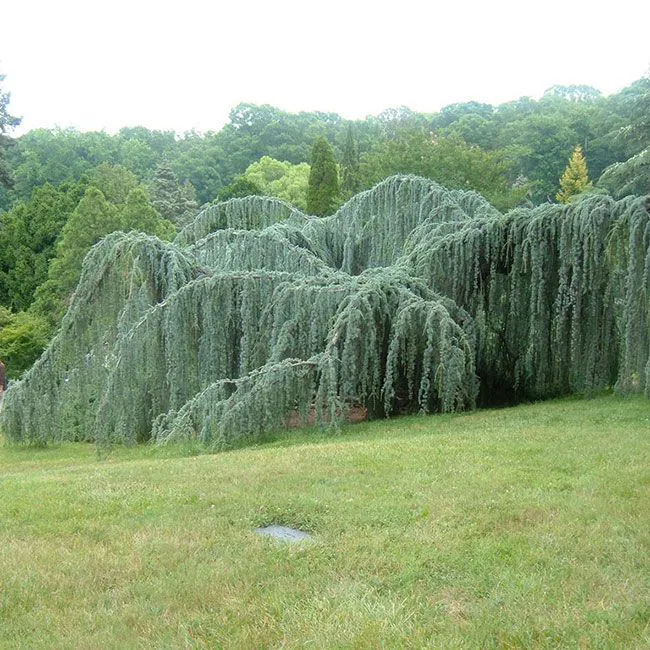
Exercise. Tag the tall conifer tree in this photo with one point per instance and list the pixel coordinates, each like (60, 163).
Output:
(173, 201)
(350, 172)
(323, 189)
(575, 178)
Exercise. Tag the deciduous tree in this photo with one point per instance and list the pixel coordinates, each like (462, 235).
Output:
(7, 122)
(446, 160)
(23, 336)
(280, 179)
(239, 188)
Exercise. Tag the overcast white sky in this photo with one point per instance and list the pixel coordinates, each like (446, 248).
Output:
(183, 65)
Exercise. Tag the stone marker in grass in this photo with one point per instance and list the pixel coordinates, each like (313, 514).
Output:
(284, 533)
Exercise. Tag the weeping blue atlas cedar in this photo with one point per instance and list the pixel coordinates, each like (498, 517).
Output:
(410, 298)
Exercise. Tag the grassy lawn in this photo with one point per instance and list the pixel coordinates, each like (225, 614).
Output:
(526, 527)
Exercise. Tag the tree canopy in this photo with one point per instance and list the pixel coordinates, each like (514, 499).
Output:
(7, 122)
(28, 235)
(534, 137)
(92, 219)
(447, 160)
(280, 179)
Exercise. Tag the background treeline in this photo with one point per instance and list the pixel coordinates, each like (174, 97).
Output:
(533, 139)
(63, 190)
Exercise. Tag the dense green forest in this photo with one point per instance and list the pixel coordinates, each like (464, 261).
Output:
(62, 191)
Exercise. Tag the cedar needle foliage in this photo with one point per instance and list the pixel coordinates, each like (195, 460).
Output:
(410, 298)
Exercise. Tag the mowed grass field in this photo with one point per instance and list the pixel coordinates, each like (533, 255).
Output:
(526, 527)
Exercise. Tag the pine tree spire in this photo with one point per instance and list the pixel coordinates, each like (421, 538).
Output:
(350, 173)
(575, 179)
(323, 188)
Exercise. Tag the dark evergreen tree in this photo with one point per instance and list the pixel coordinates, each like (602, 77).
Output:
(173, 201)
(28, 234)
(323, 189)
(350, 171)
(139, 214)
(93, 218)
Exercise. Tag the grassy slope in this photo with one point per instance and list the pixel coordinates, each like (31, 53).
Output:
(519, 528)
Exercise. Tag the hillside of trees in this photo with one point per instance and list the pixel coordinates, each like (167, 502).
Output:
(62, 191)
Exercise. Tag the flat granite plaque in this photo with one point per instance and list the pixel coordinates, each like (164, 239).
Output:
(284, 533)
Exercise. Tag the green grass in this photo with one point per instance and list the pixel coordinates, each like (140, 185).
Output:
(526, 527)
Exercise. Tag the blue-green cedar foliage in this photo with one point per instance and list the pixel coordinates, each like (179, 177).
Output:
(410, 298)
